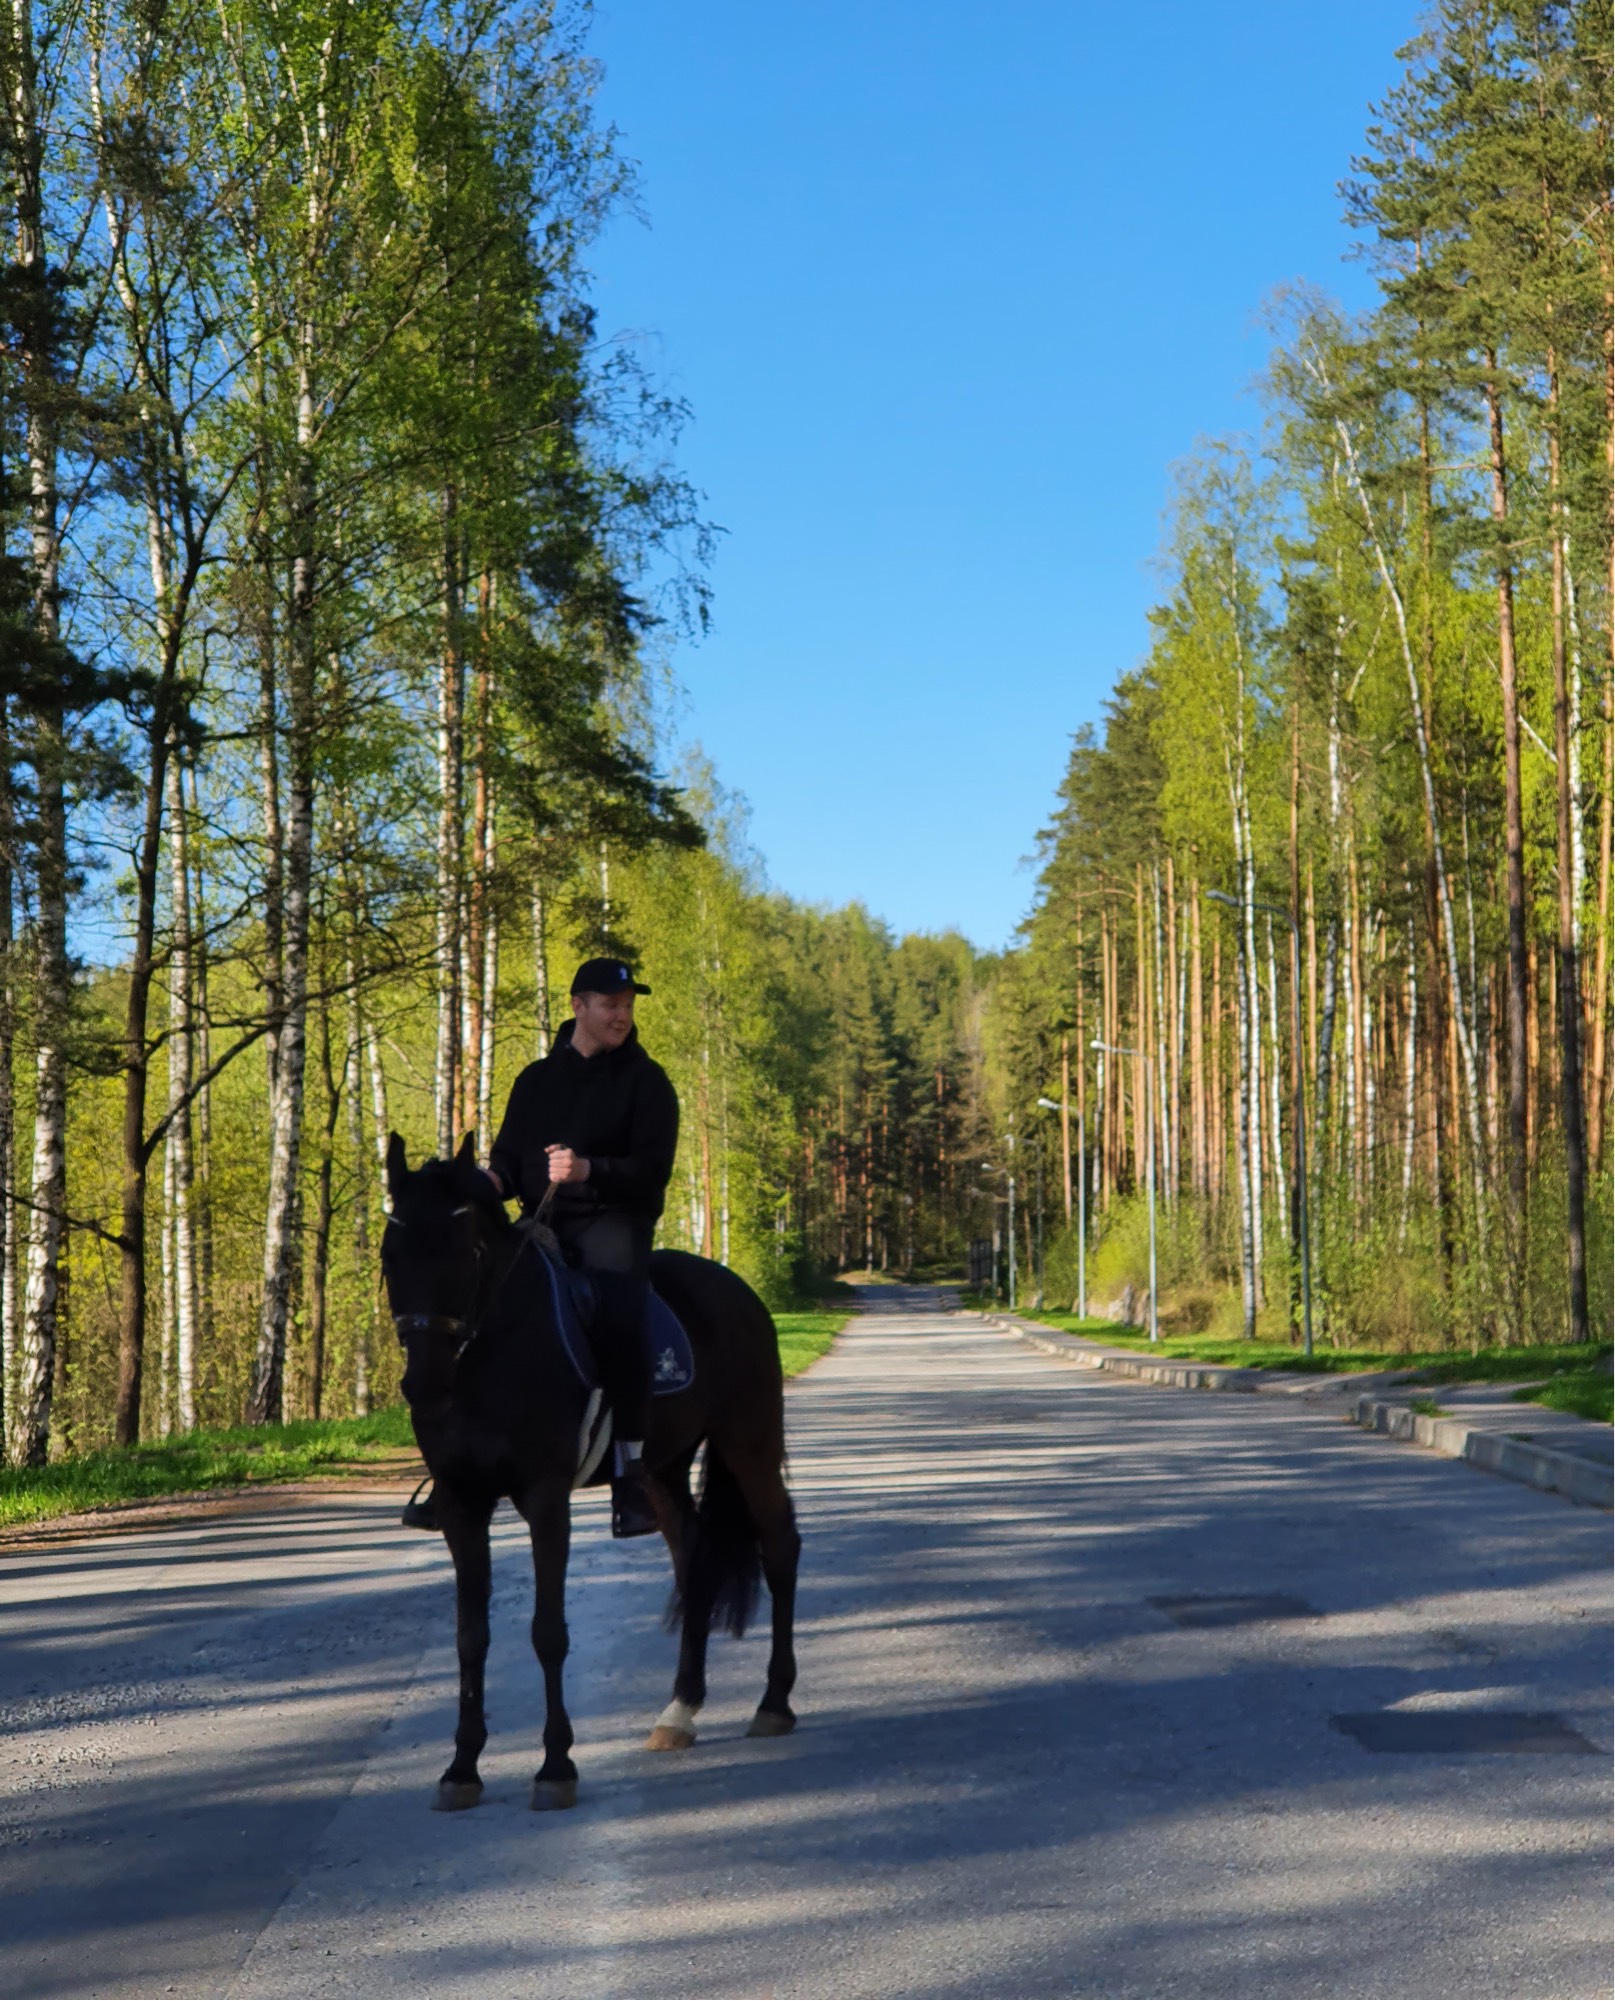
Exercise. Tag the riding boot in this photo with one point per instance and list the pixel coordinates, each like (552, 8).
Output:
(421, 1514)
(632, 1511)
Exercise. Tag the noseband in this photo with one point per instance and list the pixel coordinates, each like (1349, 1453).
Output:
(405, 1324)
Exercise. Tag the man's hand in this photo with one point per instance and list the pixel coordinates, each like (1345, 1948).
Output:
(565, 1165)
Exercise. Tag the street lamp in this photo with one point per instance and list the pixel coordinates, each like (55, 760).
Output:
(1064, 1108)
(1303, 1223)
(1010, 1136)
(1116, 1049)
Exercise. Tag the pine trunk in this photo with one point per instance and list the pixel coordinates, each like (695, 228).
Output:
(1519, 1068)
(1569, 896)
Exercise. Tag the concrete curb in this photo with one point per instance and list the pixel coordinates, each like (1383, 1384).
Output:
(1539, 1466)
(1521, 1459)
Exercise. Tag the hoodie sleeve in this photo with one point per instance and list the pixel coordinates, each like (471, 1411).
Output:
(639, 1177)
(505, 1156)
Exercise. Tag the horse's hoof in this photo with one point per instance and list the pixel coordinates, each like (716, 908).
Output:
(771, 1723)
(455, 1795)
(550, 1795)
(669, 1737)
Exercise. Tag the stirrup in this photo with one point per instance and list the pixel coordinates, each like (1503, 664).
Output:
(631, 1510)
(419, 1514)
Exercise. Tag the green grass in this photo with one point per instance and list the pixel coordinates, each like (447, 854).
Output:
(1581, 1392)
(804, 1337)
(1560, 1375)
(240, 1455)
(251, 1455)
(1426, 1407)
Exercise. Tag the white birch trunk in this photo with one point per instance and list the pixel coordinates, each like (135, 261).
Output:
(177, 1170)
(168, 1303)
(1410, 1055)
(1370, 1075)
(490, 1004)
(1578, 837)
(265, 1402)
(364, 1278)
(1275, 1076)
(450, 816)
(541, 967)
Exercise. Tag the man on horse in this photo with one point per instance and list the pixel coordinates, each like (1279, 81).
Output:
(596, 1121)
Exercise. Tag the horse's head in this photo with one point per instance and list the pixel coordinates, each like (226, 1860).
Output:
(437, 1261)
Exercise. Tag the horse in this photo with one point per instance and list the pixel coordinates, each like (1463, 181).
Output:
(499, 1410)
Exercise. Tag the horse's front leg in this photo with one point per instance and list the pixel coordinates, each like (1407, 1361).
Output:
(465, 1529)
(548, 1512)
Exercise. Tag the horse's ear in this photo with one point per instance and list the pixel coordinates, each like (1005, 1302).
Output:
(467, 1154)
(397, 1165)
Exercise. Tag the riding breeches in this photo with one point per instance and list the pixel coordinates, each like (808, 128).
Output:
(614, 1248)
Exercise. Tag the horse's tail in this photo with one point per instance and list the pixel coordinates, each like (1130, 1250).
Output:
(724, 1562)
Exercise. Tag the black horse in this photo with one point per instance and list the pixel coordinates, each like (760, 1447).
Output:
(499, 1409)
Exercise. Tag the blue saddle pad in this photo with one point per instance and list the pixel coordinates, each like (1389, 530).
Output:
(672, 1365)
(671, 1358)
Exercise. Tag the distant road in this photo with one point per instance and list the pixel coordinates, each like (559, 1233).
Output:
(1015, 1774)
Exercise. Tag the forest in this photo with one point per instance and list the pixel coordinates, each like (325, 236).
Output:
(344, 560)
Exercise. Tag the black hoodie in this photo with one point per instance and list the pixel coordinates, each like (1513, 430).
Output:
(617, 1108)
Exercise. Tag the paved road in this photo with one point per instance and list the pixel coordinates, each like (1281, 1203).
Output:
(1014, 1774)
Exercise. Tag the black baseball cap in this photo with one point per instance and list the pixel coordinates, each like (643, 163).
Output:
(605, 976)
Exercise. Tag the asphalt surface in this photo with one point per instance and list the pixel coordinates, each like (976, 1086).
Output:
(1015, 1774)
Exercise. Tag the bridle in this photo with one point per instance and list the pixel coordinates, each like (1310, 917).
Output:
(453, 1325)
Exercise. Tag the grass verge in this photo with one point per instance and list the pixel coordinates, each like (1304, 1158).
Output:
(804, 1337)
(1585, 1393)
(237, 1456)
(254, 1455)
(1560, 1375)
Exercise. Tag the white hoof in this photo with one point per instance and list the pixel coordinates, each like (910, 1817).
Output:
(675, 1728)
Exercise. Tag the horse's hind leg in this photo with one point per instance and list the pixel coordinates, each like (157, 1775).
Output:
(548, 1513)
(697, 1575)
(465, 1529)
(675, 1511)
(769, 1501)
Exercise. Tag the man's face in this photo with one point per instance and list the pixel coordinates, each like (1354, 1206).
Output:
(604, 1018)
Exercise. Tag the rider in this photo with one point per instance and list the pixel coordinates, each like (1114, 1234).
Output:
(599, 1120)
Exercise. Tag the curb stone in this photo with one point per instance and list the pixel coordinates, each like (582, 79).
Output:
(1519, 1459)
(1576, 1479)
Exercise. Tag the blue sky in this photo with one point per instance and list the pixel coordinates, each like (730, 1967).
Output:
(949, 289)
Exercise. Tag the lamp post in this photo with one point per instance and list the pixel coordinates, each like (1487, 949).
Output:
(1064, 1108)
(1116, 1049)
(1010, 1136)
(1303, 1220)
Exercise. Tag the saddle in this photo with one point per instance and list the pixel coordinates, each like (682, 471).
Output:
(572, 1295)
